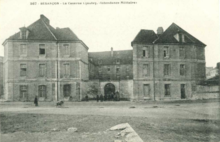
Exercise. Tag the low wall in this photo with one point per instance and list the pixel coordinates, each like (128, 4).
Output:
(206, 92)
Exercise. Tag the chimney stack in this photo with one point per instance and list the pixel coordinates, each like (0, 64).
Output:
(45, 19)
(111, 51)
(160, 30)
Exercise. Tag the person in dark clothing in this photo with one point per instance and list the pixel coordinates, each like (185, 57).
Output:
(87, 98)
(105, 97)
(97, 98)
(101, 98)
(36, 101)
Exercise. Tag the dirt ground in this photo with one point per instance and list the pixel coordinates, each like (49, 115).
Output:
(188, 121)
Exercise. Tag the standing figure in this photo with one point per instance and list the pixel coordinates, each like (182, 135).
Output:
(101, 98)
(97, 98)
(36, 101)
(87, 98)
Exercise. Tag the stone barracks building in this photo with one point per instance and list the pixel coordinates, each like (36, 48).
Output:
(54, 64)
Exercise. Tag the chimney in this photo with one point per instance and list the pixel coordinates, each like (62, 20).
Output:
(45, 19)
(111, 51)
(160, 30)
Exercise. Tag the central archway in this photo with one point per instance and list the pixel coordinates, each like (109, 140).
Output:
(109, 90)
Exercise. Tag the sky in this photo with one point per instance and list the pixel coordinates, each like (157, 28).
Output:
(103, 26)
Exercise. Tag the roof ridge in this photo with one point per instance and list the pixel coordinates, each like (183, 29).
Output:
(49, 30)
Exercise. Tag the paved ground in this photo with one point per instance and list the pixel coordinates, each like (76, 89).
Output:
(153, 121)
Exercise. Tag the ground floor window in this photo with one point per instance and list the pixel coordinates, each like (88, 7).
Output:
(167, 89)
(42, 91)
(23, 91)
(66, 90)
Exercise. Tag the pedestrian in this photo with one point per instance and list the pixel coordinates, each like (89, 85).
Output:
(36, 101)
(87, 98)
(97, 98)
(101, 98)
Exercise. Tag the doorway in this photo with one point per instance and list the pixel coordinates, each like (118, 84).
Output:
(146, 90)
(109, 91)
(183, 91)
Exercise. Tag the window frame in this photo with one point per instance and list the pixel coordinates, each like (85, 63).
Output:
(42, 92)
(166, 51)
(21, 49)
(168, 70)
(44, 71)
(165, 90)
(42, 46)
(23, 73)
(66, 51)
(66, 70)
(183, 70)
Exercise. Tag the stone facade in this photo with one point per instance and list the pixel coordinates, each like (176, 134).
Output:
(54, 64)
(165, 68)
(52, 69)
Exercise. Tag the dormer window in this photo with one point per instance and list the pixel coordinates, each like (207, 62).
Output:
(180, 37)
(24, 32)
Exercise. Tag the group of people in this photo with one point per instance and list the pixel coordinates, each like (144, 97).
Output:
(107, 97)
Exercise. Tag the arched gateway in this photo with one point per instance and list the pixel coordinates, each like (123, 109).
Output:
(109, 89)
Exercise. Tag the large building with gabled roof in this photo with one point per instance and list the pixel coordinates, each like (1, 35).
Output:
(54, 64)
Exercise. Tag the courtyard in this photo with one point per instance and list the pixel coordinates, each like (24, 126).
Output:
(188, 121)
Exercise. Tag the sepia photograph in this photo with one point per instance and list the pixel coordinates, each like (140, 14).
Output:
(109, 71)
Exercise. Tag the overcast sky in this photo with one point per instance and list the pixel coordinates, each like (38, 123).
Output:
(104, 26)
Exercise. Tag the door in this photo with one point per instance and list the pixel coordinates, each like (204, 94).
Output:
(146, 90)
(183, 95)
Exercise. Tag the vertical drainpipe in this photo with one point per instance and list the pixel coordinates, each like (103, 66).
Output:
(153, 73)
(57, 70)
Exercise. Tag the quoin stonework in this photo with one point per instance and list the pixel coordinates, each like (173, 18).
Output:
(54, 64)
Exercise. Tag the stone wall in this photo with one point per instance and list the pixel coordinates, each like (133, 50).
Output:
(206, 92)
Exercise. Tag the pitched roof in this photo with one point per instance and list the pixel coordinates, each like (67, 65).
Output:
(168, 36)
(145, 37)
(41, 30)
(125, 57)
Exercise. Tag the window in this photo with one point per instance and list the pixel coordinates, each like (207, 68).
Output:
(23, 91)
(166, 52)
(145, 70)
(167, 89)
(109, 69)
(66, 69)
(182, 52)
(23, 49)
(66, 90)
(42, 91)
(42, 70)
(66, 49)
(182, 70)
(145, 52)
(117, 61)
(127, 69)
(23, 70)
(167, 69)
(23, 34)
(42, 49)
(117, 69)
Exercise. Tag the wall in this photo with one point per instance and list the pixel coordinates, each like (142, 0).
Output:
(206, 92)
(1, 78)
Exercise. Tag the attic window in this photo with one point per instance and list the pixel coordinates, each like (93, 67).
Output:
(180, 37)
